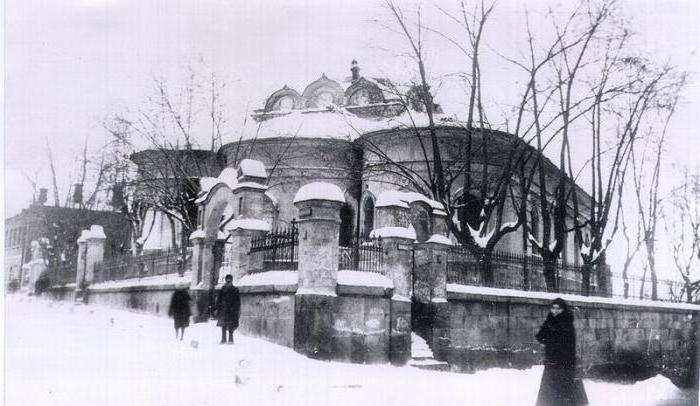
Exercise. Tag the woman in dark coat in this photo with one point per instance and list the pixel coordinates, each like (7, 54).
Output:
(180, 310)
(228, 307)
(559, 339)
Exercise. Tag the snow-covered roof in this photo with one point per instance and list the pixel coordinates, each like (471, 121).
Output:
(400, 232)
(337, 123)
(359, 278)
(319, 191)
(481, 290)
(391, 198)
(395, 198)
(252, 168)
(229, 176)
(248, 224)
(439, 239)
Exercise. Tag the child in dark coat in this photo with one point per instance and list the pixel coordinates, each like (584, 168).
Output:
(180, 310)
(228, 307)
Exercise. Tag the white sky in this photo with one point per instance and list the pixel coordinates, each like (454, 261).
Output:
(69, 64)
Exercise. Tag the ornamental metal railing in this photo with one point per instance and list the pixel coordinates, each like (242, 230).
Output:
(279, 248)
(368, 256)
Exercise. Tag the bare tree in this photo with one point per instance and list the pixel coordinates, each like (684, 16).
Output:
(683, 228)
(649, 203)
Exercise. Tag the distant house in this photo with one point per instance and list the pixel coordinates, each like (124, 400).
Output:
(58, 229)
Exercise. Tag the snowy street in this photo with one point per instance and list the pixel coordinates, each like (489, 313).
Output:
(61, 354)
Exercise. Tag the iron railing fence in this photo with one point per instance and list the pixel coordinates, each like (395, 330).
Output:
(161, 262)
(279, 248)
(368, 256)
(513, 271)
(640, 287)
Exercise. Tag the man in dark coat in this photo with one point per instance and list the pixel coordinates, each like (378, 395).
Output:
(228, 307)
(559, 338)
(179, 309)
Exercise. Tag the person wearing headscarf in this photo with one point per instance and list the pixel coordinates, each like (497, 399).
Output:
(179, 309)
(558, 336)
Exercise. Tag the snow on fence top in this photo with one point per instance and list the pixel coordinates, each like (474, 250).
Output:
(359, 278)
(158, 280)
(269, 278)
(481, 290)
(319, 191)
(248, 224)
(400, 232)
(333, 123)
(95, 232)
(252, 168)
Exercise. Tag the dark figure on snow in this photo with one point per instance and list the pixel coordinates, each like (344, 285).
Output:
(179, 309)
(559, 338)
(228, 307)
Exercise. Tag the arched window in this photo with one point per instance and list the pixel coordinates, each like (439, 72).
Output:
(345, 231)
(469, 209)
(368, 217)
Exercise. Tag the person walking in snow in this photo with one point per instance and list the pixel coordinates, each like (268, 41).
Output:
(557, 333)
(179, 309)
(228, 308)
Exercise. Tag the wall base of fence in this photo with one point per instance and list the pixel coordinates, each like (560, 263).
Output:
(313, 325)
(400, 335)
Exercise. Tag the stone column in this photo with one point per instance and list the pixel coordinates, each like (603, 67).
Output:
(319, 219)
(241, 260)
(431, 307)
(202, 262)
(95, 251)
(80, 281)
(398, 263)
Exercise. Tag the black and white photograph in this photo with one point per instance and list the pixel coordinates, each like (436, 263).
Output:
(371, 202)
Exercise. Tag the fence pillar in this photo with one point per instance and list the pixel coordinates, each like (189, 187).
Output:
(80, 281)
(398, 263)
(430, 305)
(95, 251)
(202, 263)
(319, 220)
(242, 232)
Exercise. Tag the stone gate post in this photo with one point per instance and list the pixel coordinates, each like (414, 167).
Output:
(319, 219)
(242, 232)
(431, 291)
(95, 251)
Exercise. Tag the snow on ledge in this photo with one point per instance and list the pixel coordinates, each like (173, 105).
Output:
(399, 298)
(319, 191)
(400, 232)
(391, 198)
(358, 278)
(252, 168)
(197, 234)
(248, 224)
(439, 239)
(269, 278)
(481, 290)
(167, 279)
(249, 185)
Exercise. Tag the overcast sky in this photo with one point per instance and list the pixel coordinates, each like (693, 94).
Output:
(69, 64)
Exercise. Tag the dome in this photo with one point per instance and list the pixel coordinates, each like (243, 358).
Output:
(323, 92)
(284, 99)
(362, 92)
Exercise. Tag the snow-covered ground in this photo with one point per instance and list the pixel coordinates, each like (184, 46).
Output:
(61, 354)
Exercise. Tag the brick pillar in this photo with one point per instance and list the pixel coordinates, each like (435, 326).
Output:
(95, 251)
(398, 263)
(319, 208)
(430, 300)
(242, 232)
(80, 281)
(202, 262)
